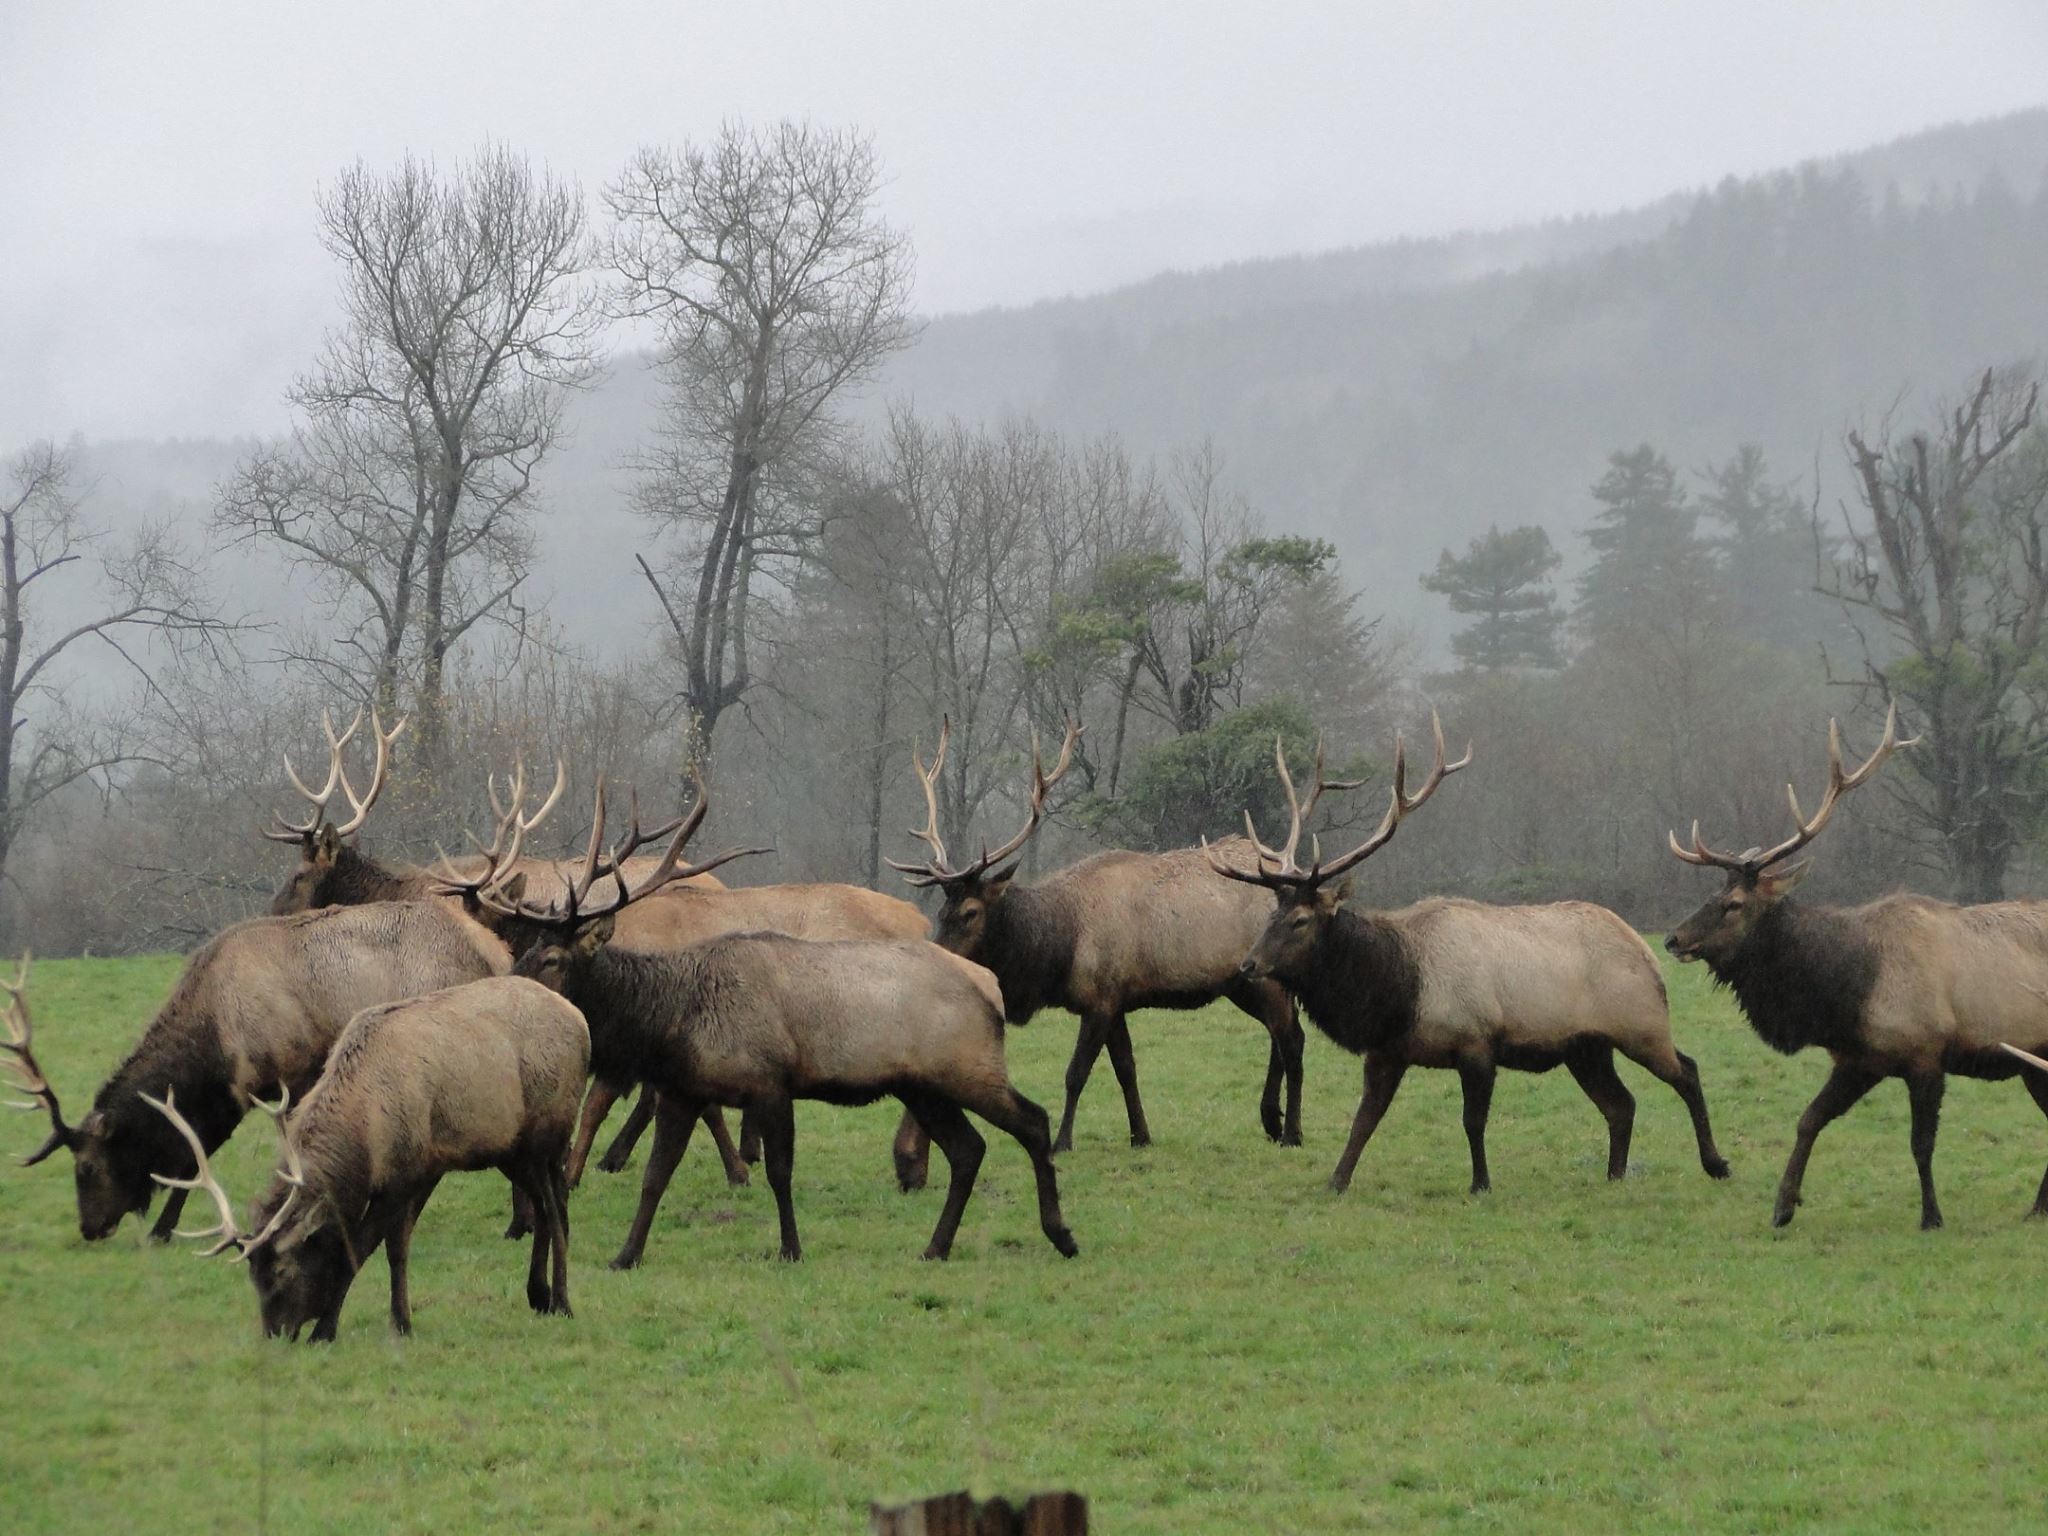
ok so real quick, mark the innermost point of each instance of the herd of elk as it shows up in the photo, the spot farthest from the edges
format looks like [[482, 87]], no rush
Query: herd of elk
[[1463, 984], [1114, 932], [1904, 986], [430, 1020]]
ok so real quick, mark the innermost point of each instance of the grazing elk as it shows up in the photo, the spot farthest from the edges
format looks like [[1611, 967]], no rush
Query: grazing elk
[[1117, 931], [483, 1075], [255, 1013], [1465, 985], [334, 872], [760, 1020], [1904, 986]]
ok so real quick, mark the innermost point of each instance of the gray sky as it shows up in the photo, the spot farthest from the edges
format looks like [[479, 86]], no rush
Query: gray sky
[[159, 273]]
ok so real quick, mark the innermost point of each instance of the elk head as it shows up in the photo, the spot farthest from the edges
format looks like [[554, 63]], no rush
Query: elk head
[[108, 1187], [329, 869], [971, 891], [1308, 901], [550, 939], [1759, 879], [301, 1258]]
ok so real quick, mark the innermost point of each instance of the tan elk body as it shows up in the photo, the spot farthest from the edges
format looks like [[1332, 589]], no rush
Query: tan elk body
[[1905, 986], [255, 1013], [1465, 985], [483, 1075]]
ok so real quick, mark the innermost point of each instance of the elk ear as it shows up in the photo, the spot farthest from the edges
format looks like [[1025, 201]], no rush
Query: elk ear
[[593, 936], [326, 844], [1781, 881], [1343, 891], [998, 882]]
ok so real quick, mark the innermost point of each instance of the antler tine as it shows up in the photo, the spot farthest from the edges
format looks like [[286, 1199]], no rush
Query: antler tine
[[359, 806], [290, 1169], [228, 1230], [1840, 782], [1285, 857], [1258, 876], [292, 831], [26, 1070], [1041, 782], [936, 869], [1400, 803]]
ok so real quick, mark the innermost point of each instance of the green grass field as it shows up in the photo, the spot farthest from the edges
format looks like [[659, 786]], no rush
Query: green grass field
[[1235, 1349]]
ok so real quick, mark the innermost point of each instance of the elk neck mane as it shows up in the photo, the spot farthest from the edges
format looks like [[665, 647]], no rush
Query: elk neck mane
[[1029, 944], [357, 878], [1363, 985], [634, 1001], [1802, 976]]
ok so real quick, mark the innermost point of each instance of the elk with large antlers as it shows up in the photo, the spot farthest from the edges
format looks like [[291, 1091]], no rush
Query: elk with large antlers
[[1116, 931], [483, 1075], [255, 1012], [1464, 985], [759, 1020], [1904, 986]]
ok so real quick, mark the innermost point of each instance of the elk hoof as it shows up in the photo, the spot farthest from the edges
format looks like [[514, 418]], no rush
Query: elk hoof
[[613, 1162], [626, 1261], [1782, 1216], [1931, 1222], [1292, 1138], [1338, 1184], [1717, 1168], [1481, 1187], [1064, 1142], [792, 1255], [1063, 1240], [1141, 1138], [934, 1255]]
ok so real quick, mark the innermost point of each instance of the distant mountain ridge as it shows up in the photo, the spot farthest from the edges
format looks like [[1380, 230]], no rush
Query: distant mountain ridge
[[1399, 397]]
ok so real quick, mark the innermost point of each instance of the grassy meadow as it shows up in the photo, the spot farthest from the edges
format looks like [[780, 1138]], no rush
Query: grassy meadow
[[1234, 1350]]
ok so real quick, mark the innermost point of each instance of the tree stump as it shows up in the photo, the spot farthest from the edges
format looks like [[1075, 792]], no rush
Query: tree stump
[[957, 1514]]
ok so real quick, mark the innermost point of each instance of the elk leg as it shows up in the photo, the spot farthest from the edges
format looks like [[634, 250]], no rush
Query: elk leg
[[912, 1153], [1924, 1091], [735, 1166], [1838, 1095], [167, 1218], [2037, 1086], [1383, 1075], [777, 1120], [533, 1181], [1477, 1079], [750, 1137], [1683, 1074], [1087, 1046], [1272, 1005], [1124, 1062], [1018, 1116], [523, 1215], [597, 1103], [964, 1149], [551, 1183], [1592, 1067], [673, 1123], [620, 1152], [398, 1256]]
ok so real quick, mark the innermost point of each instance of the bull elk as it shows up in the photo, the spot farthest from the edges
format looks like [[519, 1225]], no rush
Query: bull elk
[[1116, 931], [254, 1013], [1904, 986], [1463, 984], [483, 1075], [760, 1020]]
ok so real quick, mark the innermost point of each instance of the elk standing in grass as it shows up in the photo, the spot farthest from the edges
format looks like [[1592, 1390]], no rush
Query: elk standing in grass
[[1114, 932], [254, 1014], [760, 1020], [1465, 985], [484, 1075], [1904, 986]]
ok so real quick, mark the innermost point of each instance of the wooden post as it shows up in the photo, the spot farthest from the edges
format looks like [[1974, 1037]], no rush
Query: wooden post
[[957, 1514]]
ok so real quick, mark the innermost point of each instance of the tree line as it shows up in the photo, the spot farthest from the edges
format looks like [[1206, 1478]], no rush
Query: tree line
[[820, 597]]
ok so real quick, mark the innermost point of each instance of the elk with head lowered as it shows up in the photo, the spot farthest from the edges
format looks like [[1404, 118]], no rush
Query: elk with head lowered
[[1904, 986], [254, 1014], [1117, 931], [1463, 984], [760, 1020], [483, 1075]]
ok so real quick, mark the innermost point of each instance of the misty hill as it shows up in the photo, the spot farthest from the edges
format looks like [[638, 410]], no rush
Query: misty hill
[[1400, 397]]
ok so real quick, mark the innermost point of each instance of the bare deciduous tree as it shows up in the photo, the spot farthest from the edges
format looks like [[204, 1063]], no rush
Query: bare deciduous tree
[[778, 287], [147, 594], [1953, 569], [407, 490]]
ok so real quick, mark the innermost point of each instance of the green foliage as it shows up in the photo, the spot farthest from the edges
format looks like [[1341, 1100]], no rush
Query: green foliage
[[1503, 579], [1235, 1350], [1202, 783]]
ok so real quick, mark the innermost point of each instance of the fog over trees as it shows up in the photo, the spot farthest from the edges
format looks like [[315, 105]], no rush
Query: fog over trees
[[1636, 504]]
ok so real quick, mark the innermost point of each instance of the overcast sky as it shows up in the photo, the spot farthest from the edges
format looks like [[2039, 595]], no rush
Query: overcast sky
[[159, 273]]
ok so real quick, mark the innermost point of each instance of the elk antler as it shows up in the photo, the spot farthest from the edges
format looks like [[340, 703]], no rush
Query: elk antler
[[1286, 873], [337, 778], [507, 837], [1840, 782], [936, 871], [227, 1229], [27, 1072], [598, 865]]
